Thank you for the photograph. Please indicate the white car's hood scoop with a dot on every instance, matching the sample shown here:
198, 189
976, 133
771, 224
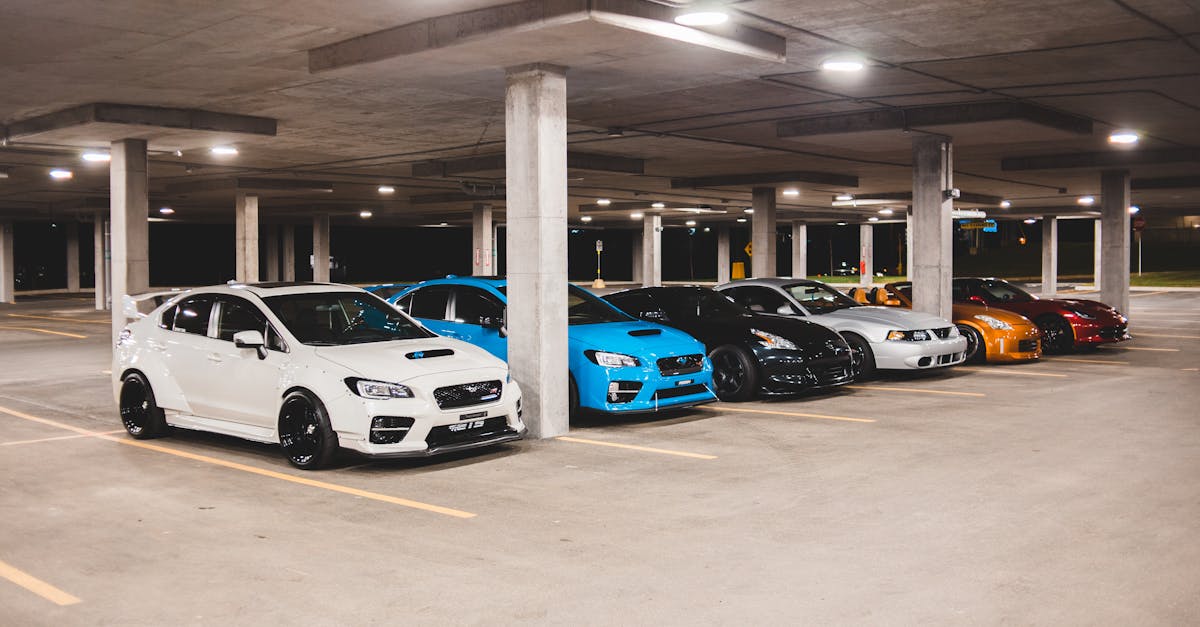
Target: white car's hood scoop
405, 359
892, 317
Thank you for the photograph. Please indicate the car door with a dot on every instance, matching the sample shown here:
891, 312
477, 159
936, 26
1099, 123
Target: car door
246, 381
430, 305
186, 352
476, 313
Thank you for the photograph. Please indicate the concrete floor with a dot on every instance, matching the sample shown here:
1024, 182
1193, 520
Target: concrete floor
1060, 492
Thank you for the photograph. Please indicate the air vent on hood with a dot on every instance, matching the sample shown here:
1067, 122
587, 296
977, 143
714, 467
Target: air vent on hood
437, 352
645, 332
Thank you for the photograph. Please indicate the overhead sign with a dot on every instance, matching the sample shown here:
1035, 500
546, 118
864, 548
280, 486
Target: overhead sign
977, 224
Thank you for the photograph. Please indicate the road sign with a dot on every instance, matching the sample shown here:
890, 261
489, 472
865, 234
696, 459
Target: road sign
599, 245
971, 225
1139, 223
750, 249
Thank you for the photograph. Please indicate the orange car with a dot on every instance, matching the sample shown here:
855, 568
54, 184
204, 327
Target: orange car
1005, 336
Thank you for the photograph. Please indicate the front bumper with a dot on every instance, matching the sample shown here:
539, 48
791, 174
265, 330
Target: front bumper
906, 355
792, 372
1093, 332
654, 390
1021, 343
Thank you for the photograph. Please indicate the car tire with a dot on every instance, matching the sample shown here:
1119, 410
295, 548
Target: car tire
140, 414
735, 375
572, 397
305, 434
976, 349
866, 356
1057, 336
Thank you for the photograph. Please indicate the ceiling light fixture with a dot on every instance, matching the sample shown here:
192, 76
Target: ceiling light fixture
443, 224
1086, 201
166, 211
61, 174
1029, 220
706, 14
843, 64
844, 197
223, 151
791, 191
585, 218
1133, 209
1004, 204
841, 224
748, 210
603, 202
1123, 136
886, 212
616, 131
690, 223
659, 205
96, 156
741, 219
872, 219
636, 215
365, 213
387, 189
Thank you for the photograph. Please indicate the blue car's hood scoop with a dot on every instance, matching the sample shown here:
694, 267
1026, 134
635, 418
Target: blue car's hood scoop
645, 332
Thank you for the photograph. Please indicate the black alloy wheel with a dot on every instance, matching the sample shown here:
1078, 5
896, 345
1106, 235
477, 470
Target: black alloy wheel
862, 355
1057, 336
734, 374
976, 351
140, 414
307, 439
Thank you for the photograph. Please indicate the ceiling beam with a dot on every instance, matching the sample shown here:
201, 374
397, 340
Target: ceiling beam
250, 184
495, 162
967, 197
141, 115
449, 197
765, 178
1113, 159
1166, 182
901, 118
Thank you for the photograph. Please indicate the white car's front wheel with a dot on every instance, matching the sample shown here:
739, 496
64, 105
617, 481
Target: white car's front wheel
308, 440
141, 416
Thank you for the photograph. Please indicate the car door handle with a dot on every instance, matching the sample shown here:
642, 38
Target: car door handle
215, 358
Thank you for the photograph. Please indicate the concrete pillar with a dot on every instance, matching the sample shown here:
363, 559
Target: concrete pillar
762, 233
1114, 241
246, 246
8, 275
799, 250
652, 250
72, 228
100, 257
320, 238
908, 258
1049, 256
637, 257
723, 254
1096, 255
932, 227
130, 227
271, 254
481, 240
288, 244
866, 254
535, 125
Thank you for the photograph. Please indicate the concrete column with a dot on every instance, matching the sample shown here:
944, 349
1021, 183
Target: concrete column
1096, 255
866, 254
908, 258
723, 272
1049, 256
8, 275
288, 244
637, 257
1114, 241
932, 227
100, 256
246, 247
320, 237
799, 250
72, 229
762, 233
481, 240
130, 228
535, 125
271, 272
652, 250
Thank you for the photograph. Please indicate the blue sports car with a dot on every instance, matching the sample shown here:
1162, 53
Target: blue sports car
618, 364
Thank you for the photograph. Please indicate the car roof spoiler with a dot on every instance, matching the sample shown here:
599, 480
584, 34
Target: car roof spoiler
136, 306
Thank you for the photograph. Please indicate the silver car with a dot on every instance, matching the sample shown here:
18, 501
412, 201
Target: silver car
888, 338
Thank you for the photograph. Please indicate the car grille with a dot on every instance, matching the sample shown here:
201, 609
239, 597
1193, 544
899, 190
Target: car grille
676, 392
942, 333
1027, 346
831, 375
1112, 333
445, 436
468, 394
683, 364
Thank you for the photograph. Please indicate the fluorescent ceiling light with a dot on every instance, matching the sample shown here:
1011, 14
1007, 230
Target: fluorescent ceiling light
708, 17
872, 219
603, 202
1086, 201
841, 224
844, 197
690, 223
636, 215
166, 211
741, 219
96, 156
886, 212
365, 213
1134, 209
843, 64
386, 189
791, 191
585, 218
1123, 136
61, 174
1004, 204
659, 205
223, 150
748, 210
1029, 220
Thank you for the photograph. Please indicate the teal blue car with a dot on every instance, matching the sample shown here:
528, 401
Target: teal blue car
618, 364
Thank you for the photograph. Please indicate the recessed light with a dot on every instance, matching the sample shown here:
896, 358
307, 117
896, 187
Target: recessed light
636, 215
843, 64
1123, 136
223, 151
178, 153
585, 218
741, 219
748, 210
365, 213
1086, 201
386, 189
841, 224
690, 223
844, 197
707, 230
1029, 220
1004, 204
872, 219
166, 211
791, 191
443, 224
1134, 209
96, 156
659, 205
61, 174
603, 202
702, 18
886, 212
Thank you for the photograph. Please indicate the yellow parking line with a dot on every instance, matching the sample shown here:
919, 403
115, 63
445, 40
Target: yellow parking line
62, 437
82, 320
325, 485
783, 413
1142, 348
1009, 371
1107, 362
36, 586
914, 390
1182, 337
47, 331
632, 447
1191, 369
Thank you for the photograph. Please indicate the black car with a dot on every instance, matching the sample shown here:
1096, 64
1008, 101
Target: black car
751, 352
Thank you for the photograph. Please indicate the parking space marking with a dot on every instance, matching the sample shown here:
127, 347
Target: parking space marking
82, 320
915, 390
783, 413
1143, 348
1009, 371
62, 437
632, 447
1191, 369
1148, 294
325, 485
36, 586
1182, 337
47, 331
1107, 362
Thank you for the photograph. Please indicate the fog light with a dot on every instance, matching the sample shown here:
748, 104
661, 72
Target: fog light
623, 391
390, 429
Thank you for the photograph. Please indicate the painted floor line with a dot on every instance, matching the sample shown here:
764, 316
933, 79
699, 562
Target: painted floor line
1010, 371
632, 447
1135, 295
784, 413
62, 437
46, 331
915, 390
1182, 337
81, 320
1106, 362
1143, 348
332, 487
1191, 369
36, 586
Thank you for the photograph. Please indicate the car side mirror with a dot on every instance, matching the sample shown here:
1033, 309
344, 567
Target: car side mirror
784, 310
978, 300
251, 339
498, 324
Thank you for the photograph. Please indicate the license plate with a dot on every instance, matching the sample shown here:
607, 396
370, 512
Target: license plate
683, 382
463, 426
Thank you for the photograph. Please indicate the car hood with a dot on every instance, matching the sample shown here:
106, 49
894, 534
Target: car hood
965, 311
391, 361
891, 317
615, 337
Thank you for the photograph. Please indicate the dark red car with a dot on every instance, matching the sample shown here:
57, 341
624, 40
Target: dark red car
1065, 324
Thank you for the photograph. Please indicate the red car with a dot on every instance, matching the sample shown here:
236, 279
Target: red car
1065, 324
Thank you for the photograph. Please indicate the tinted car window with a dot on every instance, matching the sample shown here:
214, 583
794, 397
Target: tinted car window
1003, 291
958, 291
472, 305
428, 302
338, 318
192, 315
819, 299
638, 304
239, 315
168, 318
759, 299
584, 308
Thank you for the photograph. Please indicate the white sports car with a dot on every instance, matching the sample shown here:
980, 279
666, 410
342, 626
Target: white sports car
886, 337
314, 367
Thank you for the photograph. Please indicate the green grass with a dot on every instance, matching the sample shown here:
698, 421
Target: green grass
855, 280
1166, 278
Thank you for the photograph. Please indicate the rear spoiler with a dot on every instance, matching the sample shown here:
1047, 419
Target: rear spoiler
137, 306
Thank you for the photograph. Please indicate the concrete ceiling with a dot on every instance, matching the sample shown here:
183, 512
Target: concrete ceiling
686, 110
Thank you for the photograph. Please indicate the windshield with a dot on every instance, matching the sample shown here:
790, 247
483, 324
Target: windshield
339, 318
819, 299
1004, 291
585, 308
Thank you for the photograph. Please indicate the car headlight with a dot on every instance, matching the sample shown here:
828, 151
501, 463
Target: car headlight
770, 340
993, 322
611, 360
1082, 314
367, 388
911, 336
